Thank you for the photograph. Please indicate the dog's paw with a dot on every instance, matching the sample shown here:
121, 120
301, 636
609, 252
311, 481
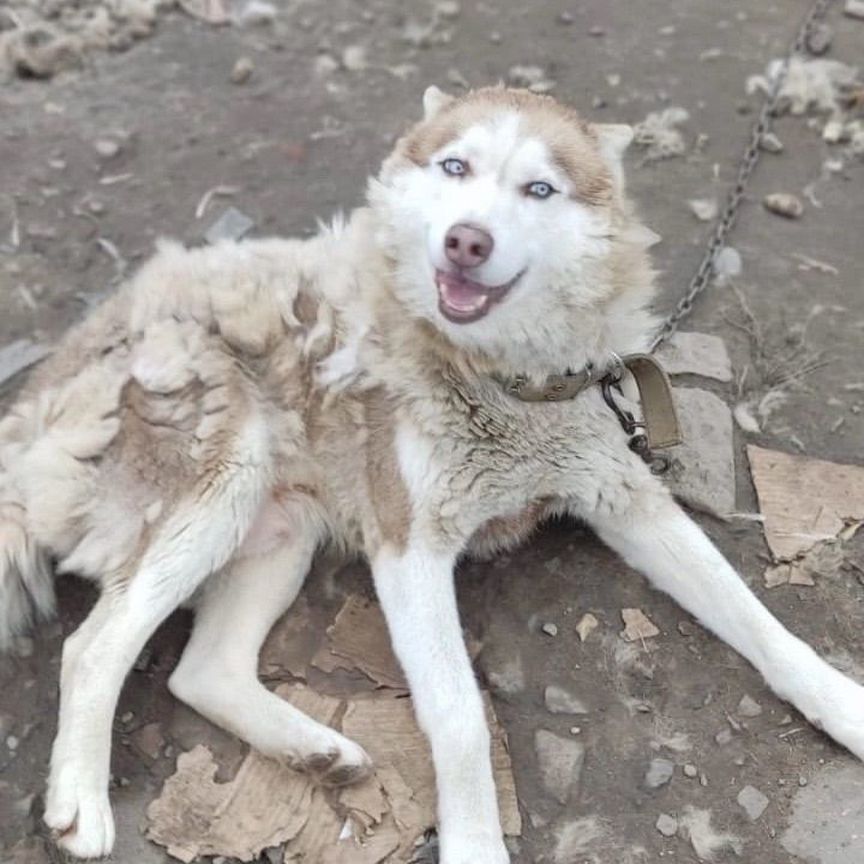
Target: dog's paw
340, 763
80, 820
845, 721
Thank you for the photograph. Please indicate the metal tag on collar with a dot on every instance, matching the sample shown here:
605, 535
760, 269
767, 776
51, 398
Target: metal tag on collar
556, 388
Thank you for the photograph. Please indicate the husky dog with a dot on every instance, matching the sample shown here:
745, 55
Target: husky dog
233, 408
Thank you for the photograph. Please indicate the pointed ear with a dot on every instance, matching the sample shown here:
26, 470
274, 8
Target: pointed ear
614, 138
433, 101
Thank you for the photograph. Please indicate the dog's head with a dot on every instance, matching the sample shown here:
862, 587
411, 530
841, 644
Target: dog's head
500, 209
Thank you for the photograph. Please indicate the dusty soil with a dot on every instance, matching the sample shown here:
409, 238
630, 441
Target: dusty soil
297, 141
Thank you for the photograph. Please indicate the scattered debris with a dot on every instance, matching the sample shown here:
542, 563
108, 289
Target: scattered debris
808, 263
242, 71
560, 762
690, 770
106, 148
550, 629
706, 842
770, 143
359, 639
704, 209
231, 225
210, 194
267, 804
532, 77
667, 825
783, 204
18, 356
748, 707
806, 533
638, 626
586, 626
753, 802
659, 773
688, 353
561, 701
659, 135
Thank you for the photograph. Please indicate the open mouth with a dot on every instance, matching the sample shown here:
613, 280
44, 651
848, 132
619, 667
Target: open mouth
461, 300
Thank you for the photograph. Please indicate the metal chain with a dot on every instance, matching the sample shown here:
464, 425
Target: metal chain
705, 272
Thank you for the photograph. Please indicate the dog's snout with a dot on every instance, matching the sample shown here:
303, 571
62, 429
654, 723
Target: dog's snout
467, 246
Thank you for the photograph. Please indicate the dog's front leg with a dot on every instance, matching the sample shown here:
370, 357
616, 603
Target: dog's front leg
418, 597
654, 535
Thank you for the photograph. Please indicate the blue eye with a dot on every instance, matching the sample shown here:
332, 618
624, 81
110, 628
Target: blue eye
540, 189
455, 167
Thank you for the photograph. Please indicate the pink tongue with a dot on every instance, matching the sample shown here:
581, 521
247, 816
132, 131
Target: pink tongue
462, 295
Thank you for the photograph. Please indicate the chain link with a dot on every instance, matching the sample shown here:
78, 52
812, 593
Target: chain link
704, 274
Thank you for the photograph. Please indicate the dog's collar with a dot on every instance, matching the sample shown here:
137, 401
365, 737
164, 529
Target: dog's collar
660, 420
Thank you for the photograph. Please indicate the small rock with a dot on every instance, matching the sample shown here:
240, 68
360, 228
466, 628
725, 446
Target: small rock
560, 761
231, 225
819, 38
586, 626
242, 71
667, 825
727, 265
127, 718
748, 707
448, 8
495, 37
689, 353
638, 626
566, 18
854, 9
550, 629
596, 31
723, 737
770, 143
690, 771
802, 781
95, 206
149, 740
575, 730
532, 77
753, 802
354, 58
783, 204
560, 701
659, 773
106, 148
256, 13
12, 743
704, 209
834, 132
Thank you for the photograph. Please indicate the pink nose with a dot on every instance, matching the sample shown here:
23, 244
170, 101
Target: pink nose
467, 246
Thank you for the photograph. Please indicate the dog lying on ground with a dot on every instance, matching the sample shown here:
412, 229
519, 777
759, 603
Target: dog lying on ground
233, 408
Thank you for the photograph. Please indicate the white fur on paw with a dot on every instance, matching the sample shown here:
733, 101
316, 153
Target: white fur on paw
81, 821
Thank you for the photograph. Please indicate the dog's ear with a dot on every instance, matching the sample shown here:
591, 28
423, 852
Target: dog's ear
614, 138
433, 101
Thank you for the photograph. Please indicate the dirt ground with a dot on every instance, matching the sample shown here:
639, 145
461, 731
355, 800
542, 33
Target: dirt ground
296, 141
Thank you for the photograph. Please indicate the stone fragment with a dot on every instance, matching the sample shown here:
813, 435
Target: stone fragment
149, 740
659, 773
748, 707
560, 762
667, 825
704, 209
783, 204
689, 353
242, 71
703, 470
550, 629
637, 626
770, 143
586, 626
561, 701
231, 225
753, 802
106, 148
854, 9
691, 771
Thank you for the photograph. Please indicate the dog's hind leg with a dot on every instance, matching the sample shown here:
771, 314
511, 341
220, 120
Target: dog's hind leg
655, 536
194, 541
217, 674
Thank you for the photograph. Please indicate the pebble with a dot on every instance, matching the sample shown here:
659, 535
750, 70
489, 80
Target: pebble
748, 707
690, 770
783, 204
354, 58
586, 626
753, 802
770, 143
127, 717
659, 773
854, 9
723, 737
819, 38
149, 740
256, 13
96, 207
560, 762
802, 780
667, 825
566, 18
704, 209
12, 743
242, 71
106, 148
560, 701
550, 629
596, 31
448, 8
727, 264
